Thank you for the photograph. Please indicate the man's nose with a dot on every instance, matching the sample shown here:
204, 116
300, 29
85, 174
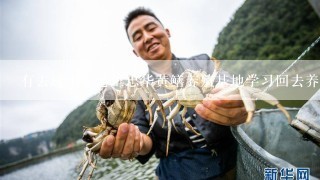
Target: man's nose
147, 38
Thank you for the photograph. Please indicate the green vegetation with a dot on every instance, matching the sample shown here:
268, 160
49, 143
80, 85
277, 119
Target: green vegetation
72, 127
268, 30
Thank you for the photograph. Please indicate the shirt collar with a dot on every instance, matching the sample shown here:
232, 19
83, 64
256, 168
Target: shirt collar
175, 66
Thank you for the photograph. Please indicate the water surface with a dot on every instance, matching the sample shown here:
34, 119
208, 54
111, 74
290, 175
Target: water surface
67, 167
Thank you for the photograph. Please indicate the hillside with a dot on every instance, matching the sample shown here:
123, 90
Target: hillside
71, 128
26, 147
269, 29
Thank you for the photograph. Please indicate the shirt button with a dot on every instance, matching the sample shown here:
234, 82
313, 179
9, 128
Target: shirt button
194, 115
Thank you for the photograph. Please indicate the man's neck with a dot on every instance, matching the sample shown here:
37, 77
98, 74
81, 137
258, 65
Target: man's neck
162, 67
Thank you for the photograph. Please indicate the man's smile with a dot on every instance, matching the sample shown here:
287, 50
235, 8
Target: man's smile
152, 47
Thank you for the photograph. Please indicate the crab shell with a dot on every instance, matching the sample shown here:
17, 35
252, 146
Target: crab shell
122, 112
189, 96
116, 114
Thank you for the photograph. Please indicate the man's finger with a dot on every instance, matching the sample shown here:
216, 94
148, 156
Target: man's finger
136, 148
221, 119
128, 146
206, 113
229, 101
121, 137
228, 112
107, 147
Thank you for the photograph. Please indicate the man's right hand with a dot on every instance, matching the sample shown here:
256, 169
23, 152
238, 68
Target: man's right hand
127, 144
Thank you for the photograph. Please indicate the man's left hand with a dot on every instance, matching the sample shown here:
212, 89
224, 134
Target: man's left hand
228, 110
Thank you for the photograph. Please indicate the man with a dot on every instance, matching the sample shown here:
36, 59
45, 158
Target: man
213, 154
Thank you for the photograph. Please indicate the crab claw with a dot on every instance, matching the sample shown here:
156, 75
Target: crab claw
88, 136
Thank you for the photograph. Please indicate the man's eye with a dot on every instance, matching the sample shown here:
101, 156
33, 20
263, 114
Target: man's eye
137, 38
152, 28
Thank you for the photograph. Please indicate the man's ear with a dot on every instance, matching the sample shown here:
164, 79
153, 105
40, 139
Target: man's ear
168, 32
135, 53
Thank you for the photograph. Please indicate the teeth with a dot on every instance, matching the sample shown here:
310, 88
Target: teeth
151, 47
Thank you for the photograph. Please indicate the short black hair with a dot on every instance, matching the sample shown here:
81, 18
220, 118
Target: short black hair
138, 12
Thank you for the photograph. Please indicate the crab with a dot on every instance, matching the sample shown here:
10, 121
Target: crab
115, 106
196, 85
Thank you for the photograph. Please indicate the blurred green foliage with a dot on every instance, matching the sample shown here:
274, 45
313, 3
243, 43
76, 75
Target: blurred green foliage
268, 30
71, 128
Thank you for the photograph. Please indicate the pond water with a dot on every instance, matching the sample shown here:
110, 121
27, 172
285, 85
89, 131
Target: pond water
67, 167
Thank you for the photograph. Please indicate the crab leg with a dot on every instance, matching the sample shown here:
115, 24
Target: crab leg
150, 113
117, 92
117, 103
269, 99
209, 84
125, 98
85, 166
96, 147
90, 157
110, 109
174, 112
91, 172
227, 91
168, 137
165, 105
248, 102
146, 101
164, 83
168, 103
83, 161
154, 122
131, 112
167, 95
183, 116
152, 102
158, 101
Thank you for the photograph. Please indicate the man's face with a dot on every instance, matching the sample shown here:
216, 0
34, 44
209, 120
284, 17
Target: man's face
149, 39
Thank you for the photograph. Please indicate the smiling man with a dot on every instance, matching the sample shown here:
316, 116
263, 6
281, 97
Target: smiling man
150, 41
210, 155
